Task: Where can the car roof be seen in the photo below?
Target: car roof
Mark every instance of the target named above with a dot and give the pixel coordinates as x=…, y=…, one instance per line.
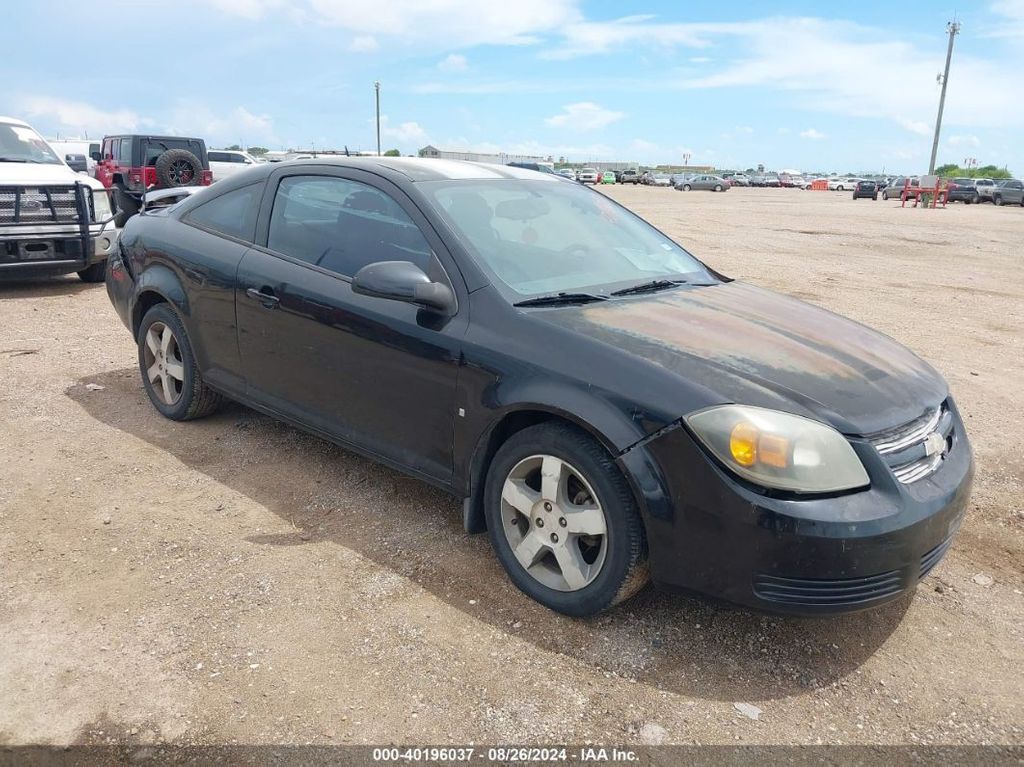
x=428, y=168
x=14, y=121
x=152, y=136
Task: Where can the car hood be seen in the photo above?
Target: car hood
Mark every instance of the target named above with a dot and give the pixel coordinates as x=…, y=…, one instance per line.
x=34, y=173
x=741, y=343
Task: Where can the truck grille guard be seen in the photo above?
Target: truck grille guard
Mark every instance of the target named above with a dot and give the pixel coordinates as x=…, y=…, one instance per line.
x=53, y=205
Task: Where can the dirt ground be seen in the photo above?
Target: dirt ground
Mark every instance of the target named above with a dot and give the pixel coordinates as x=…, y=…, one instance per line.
x=233, y=580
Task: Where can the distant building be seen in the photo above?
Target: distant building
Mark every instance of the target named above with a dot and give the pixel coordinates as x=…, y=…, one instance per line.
x=501, y=158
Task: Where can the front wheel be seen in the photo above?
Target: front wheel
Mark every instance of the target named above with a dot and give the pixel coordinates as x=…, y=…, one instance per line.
x=563, y=521
x=169, y=372
x=686, y=187
x=998, y=200
x=94, y=273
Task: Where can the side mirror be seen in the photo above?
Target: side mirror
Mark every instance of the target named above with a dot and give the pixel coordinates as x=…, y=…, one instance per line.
x=403, y=281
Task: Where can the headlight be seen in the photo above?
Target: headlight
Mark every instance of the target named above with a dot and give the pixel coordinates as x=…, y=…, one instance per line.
x=779, y=450
x=101, y=206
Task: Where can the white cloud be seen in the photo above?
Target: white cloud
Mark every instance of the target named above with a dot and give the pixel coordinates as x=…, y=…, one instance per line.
x=221, y=126
x=811, y=133
x=410, y=134
x=584, y=116
x=431, y=23
x=920, y=127
x=1011, y=22
x=588, y=38
x=364, y=44
x=80, y=117
x=453, y=62
x=971, y=141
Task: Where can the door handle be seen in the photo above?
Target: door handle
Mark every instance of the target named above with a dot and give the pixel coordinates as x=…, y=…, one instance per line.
x=265, y=296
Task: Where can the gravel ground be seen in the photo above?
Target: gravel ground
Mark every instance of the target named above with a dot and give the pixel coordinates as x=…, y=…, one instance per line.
x=236, y=581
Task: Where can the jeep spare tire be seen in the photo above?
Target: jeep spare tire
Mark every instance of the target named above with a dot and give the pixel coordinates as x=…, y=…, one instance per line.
x=178, y=167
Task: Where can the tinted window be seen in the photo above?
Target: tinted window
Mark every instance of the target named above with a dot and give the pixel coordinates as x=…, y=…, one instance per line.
x=156, y=147
x=219, y=157
x=342, y=225
x=232, y=213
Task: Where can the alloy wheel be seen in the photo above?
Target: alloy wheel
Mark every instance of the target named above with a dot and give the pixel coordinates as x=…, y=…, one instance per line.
x=554, y=523
x=165, y=368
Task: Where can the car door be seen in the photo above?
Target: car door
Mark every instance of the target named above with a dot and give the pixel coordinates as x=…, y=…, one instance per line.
x=374, y=373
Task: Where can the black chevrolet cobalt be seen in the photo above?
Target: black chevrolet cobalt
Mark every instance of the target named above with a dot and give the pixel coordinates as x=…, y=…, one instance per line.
x=610, y=409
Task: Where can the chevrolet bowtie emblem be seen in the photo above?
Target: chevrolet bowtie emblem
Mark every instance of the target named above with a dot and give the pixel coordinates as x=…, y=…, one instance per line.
x=934, y=443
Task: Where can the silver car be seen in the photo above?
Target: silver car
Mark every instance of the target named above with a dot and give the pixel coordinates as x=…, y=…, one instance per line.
x=711, y=183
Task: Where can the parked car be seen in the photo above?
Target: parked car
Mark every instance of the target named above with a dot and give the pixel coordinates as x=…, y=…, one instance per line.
x=392, y=305
x=608, y=177
x=901, y=186
x=1008, y=192
x=660, y=179
x=757, y=180
x=53, y=220
x=865, y=189
x=984, y=187
x=703, y=181
x=740, y=179
x=785, y=180
x=678, y=178
x=568, y=173
x=588, y=176
x=226, y=162
x=772, y=180
x=130, y=164
x=629, y=177
x=961, y=190
x=73, y=150
x=843, y=184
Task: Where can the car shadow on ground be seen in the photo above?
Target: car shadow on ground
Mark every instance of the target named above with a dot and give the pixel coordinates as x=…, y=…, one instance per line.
x=687, y=645
x=45, y=287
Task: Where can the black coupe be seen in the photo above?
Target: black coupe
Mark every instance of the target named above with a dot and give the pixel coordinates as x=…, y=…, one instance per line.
x=610, y=409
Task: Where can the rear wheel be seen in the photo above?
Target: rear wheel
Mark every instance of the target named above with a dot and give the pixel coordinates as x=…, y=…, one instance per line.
x=563, y=521
x=169, y=372
x=686, y=187
x=718, y=188
x=998, y=200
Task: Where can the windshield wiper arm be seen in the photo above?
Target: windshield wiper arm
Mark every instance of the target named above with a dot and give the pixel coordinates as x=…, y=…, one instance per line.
x=648, y=287
x=13, y=159
x=557, y=299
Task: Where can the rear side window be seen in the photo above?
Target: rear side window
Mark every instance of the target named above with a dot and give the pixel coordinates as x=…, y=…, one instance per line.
x=232, y=213
x=219, y=157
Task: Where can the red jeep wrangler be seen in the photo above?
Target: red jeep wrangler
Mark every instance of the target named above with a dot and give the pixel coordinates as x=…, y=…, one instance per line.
x=134, y=163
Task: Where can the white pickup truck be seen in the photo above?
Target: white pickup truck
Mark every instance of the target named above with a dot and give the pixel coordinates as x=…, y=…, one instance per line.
x=52, y=219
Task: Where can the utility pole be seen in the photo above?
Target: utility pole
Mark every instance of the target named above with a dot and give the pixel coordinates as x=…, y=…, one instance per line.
x=953, y=28
x=376, y=87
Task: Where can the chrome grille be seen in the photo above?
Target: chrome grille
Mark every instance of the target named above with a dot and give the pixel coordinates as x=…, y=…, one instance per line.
x=903, y=447
x=38, y=205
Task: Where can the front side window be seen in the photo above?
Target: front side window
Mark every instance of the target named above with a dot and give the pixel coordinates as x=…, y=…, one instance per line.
x=232, y=213
x=539, y=237
x=342, y=225
x=19, y=143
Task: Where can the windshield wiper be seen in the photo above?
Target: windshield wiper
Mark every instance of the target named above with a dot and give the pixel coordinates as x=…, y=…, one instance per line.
x=13, y=159
x=558, y=299
x=648, y=287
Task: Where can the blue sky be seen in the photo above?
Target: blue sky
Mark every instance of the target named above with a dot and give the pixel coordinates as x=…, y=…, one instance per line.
x=808, y=85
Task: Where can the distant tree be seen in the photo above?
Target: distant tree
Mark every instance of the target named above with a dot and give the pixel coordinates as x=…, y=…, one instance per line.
x=950, y=170
x=392, y=153
x=257, y=151
x=234, y=148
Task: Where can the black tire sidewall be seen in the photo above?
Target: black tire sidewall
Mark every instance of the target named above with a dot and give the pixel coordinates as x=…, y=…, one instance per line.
x=165, y=314
x=612, y=489
x=94, y=273
x=164, y=161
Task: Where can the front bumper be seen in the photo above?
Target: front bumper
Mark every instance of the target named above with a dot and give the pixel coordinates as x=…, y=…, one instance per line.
x=802, y=556
x=38, y=251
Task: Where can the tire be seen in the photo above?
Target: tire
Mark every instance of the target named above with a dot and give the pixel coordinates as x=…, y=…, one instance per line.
x=612, y=564
x=718, y=188
x=885, y=195
x=976, y=199
x=127, y=206
x=998, y=200
x=686, y=187
x=94, y=273
x=178, y=167
x=840, y=188
x=875, y=196
x=186, y=396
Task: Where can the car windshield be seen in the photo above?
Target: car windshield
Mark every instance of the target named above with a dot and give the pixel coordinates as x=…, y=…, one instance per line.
x=19, y=143
x=538, y=237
